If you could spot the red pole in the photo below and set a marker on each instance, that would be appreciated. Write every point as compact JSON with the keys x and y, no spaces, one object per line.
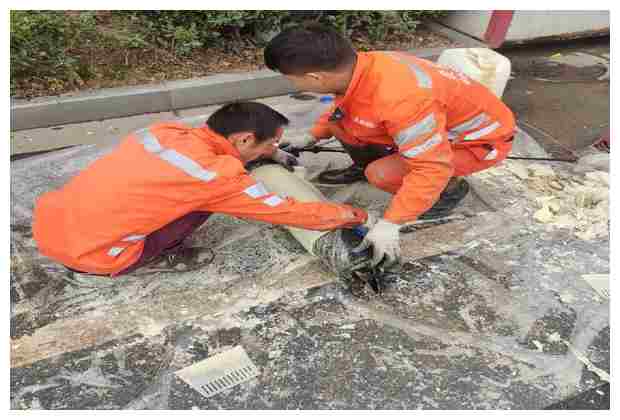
{"x":498,"y":27}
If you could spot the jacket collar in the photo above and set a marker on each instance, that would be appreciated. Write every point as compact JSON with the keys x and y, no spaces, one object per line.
{"x":221,"y":145}
{"x":361,"y":66}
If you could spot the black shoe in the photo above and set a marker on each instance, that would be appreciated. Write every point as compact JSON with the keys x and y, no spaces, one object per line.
{"x":345,"y":176}
{"x":448,"y":201}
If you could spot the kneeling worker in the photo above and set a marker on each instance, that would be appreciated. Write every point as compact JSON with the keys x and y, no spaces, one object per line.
{"x":410,"y":126}
{"x":133,"y":207}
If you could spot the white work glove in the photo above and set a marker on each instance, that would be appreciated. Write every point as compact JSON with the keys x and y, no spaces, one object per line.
{"x":285,"y":159}
{"x":370,"y":222}
{"x":384,"y":239}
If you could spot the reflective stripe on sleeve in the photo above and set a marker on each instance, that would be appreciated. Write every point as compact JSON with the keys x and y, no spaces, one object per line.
{"x":133,"y":238}
{"x":115,"y":251}
{"x":257,"y":190}
{"x":471,"y":124}
{"x":424,"y":127}
{"x":273,"y":201}
{"x":482,"y":132}
{"x":428,"y":144}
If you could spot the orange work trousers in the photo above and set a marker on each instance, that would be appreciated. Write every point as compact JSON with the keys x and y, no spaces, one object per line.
{"x":387,"y":173}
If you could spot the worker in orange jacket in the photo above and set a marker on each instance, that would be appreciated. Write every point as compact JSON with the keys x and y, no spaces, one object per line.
{"x":410,"y":126}
{"x":133,"y":207}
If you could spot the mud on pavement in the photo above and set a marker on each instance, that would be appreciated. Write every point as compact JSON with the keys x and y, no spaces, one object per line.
{"x":490,"y":311}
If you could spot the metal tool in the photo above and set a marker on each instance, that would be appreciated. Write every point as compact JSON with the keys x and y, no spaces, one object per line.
{"x":296,"y":151}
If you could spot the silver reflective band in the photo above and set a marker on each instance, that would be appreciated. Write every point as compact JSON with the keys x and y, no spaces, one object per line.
{"x":471,"y":124}
{"x":273,"y":201}
{"x":426,"y":126}
{"x":115,"y":251}
{"x":424,"y":80}
{"x":150,"y":143}
{"x":428,"y":144}
{"x":133,"y":238}
{"x":187,"y":165}
{"x":256,"y":190}
{"x":483,"y":132}
{"x":492,"y":155}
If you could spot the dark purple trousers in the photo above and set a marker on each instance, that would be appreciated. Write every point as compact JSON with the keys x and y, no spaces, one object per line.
{"x":165,"y":239}
{"x":168,"y":238}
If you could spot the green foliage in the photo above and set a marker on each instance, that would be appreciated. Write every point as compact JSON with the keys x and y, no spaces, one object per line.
{"x":59,"y":47}
{"x":39,"y":41}
{"x":42,"y":41}
{"x":378,"y":24}
{"x":183,"y":31}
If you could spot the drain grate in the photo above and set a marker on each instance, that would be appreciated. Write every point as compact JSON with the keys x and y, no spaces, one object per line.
{"x":220,"y":372}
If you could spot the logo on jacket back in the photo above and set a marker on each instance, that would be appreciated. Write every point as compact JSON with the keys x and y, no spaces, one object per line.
{"x":338,"y":115}
{"x":452,"y":73}
{"x":365,"y":123}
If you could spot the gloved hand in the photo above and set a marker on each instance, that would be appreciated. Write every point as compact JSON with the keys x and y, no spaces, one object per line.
{"x":285,"y":159}
{"x":370,"y":222}
{"x":363,"y":229}
{"x":384,"y":239}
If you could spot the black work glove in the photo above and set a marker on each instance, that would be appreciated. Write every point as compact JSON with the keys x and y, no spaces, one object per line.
{"x":284,"y":158}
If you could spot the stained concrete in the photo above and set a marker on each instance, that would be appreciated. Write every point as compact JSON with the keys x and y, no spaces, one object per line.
{"x":490,"y":311}
{"x":470,"y":323}
{"x":94,"y":132}
{"x":570,"y":103}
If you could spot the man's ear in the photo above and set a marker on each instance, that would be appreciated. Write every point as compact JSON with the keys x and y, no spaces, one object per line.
{"x":242,"y":138}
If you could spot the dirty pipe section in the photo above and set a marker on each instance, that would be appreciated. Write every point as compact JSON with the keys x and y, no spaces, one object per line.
{"x":332,"y":247}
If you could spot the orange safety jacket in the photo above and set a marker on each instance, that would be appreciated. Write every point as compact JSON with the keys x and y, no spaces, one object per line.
{"x":423,"y":109}
{"x":98,"y":221}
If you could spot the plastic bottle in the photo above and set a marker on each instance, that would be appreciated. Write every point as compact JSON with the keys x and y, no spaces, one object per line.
{"x":323,"y":105}
{"x":481,"y":64}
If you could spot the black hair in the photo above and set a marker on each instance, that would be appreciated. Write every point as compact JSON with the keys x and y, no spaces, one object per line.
{"x":255,"y":117}
{"x":308,"y":48}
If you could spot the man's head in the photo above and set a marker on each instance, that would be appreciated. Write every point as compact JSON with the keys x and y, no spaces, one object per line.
{"x":253,"y":128}
{"x":314,"y":58}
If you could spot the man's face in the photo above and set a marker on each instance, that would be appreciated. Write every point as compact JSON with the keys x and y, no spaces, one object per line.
{"x":249,"y":149}
{"x":311,"y":82}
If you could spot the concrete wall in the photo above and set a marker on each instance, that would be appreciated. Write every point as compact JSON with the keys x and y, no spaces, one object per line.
{"x":471,"y":22}
{"x":537,"y":24}
{"x":528,"y":25}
